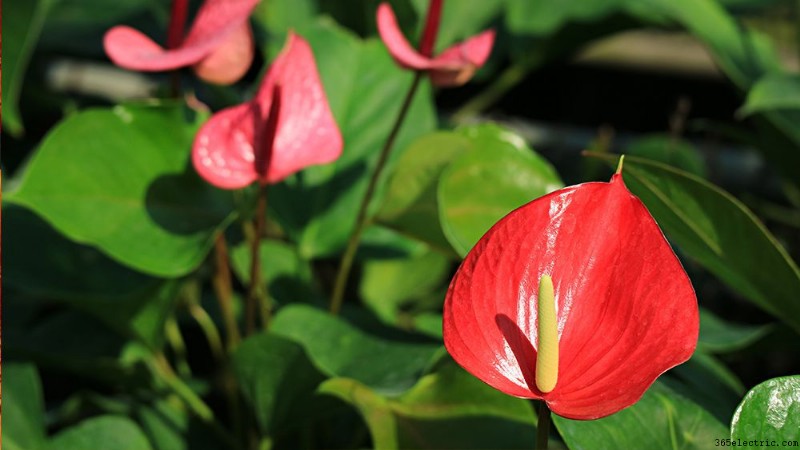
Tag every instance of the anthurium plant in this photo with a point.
(303, 224)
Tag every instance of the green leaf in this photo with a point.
(66, 270)
(119, 433)
(668, 150)
(771, 92)
(545, 17)
(95, 353)
(661, 419)
(719, 336)
(286, 274)
(481, 186)
(446, 409)
(364, 88)
(277, 379)
(23, 408)
(719, 232)
(769, 412)
(387, 284)
(708, 382)
(119, 179)
(339, 349)
(410, 204)
(280, 16)
(22, 27)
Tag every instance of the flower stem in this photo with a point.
(257, 298)
(162, 369)
(543, 425)
(224, 291)
(209, 330)
(361, 220)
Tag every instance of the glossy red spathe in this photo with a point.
(286, 127)
(219, 45)
(626, 311)
(453, 67)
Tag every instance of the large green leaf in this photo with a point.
(365, 89)
(446, 409)
(22, 25)
(770, 412)
(86, 347)
(119, 179)
(718, 231)
(277, 379)
(23, 408)
(545, 17)
(662, 419)
(66, 270)
(389, 283)
(668, 150)
(500, 174)
(720, 336)
(119, 433)
(340, 349)
(430, 418)
(410, 204)
(707, 381)
(771, 92)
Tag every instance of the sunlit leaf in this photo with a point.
(117, 179)
(769, 412)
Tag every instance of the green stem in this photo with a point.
(512, 76)
(162, 369)
(257, 298)
(362, 217)
(175, 339)
(542, 425)
(209, 329)
(224, 292)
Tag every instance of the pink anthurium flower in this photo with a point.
(286, 127)
(219, 46)
(576, 299)
(453, 67)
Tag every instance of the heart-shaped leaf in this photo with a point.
(118, 179)
(340, 349)
(481, 186)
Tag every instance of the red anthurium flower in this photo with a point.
(453, 67)
(576, 299)
(285, 128)
(219, 45)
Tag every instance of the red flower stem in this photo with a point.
(361, 220)
(432, 20)
(224, 291)
(177, 24)
(543, 425)
(257, 297)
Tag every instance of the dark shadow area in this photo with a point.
(296, 204)
(184, 204)
(521, 346)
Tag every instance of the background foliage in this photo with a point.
(112, 330)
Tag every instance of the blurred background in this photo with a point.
(709, 87)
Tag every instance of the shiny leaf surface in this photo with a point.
(769, 412)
